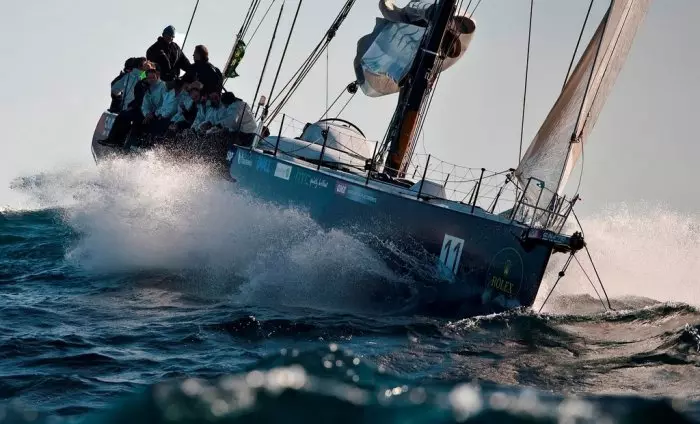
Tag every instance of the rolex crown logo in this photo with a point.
(506, 269)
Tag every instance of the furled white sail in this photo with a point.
(557, 146)
(385, 56)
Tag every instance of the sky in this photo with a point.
(60, 57)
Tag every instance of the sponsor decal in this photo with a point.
(283, 171)
(263, 164)
(360, 195)
(309, 180)
(244, 158)
(229, 155)
(504, 278)
(340, 188)
(355, 193)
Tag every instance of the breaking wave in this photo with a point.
(147, 214)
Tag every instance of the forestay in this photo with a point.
(558, 145)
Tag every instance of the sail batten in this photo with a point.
(555, 150)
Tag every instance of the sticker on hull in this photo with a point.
(504, 279)
(244, 158)
(283, 171)
(450, 256)
(355, 193)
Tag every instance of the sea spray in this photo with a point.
(639, 250)
(146, 214)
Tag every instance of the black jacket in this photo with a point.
(209, 75)
(169, 58)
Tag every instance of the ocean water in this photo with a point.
(145, 292)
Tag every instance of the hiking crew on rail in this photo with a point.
(153, 102)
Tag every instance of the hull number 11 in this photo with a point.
(451, 253)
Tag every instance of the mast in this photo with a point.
(413, 93)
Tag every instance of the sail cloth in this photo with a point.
(385, 57)
(558, 144)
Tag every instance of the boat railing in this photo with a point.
(435, 180)
(496, 192)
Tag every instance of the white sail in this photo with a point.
(558, 144)
(384, 57)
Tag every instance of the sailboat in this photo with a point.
(481, 251)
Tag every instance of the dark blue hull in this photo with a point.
(469, 264)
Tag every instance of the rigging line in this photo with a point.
(269, 50)
(468, 4)
(346, 104)
(588, 252)
(600, 281)
(474, 11)
(574, 135)
(561, 275)
(611, 48)
(334, 102)
(327, 65)
(248, 18)
(590, 281)
(527, 71)
(284, 54)
(250, 40)
(580, 175)
(194, 12)
(301, 73)
(578, 43)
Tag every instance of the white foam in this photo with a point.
(147, 214)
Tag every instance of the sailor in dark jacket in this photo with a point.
(201, 70)
(168, 55)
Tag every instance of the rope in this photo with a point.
(252, 9)
(588, 252)
(296, 80)
(474, 11)
(189, 26)
(600, 281)
(578, 43)
(259, 23)
(561, 275)
(284, 55)
(327, 65)
(269, 50)
(346, 104)
(328, 108)
(527, 71)
(590, 281)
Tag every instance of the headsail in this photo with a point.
(385, 57)
(557, 146)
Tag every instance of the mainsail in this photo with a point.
(385, 56)
(558, 144)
